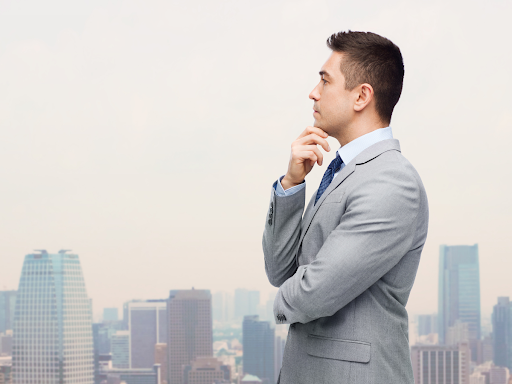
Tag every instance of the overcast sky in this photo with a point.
(146, 135)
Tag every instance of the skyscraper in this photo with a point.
(459, 290)
(147, 323)
(246, 303)
(502, 332)
(258, 342)
(7, 303)
(189, 332)
(52, 333)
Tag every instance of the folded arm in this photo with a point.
(375, 232)
(282, 231)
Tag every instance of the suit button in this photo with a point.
(269, 221)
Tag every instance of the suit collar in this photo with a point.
(366, 155)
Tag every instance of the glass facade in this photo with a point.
(459, 289)
(7, 304)
(52, 333)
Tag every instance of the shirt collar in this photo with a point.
(356, 146)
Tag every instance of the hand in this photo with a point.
(304, 155)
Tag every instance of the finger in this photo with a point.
(313, 138)
(314, 155)
(306, 149)
(320, 132)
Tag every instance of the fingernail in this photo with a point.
(328, 147)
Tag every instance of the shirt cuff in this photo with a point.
(290, 191)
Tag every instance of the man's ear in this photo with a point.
(364, 96)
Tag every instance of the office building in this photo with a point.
(147, 323)
(436, 364)
(161, 358)
(7, 304)
(120, 347)
(205, 370)
(6, 343)
(110, 314)
(52, 332)
(258, 343)
(5, 374)
(133, 375)
(190, 333)
(222, 307)
(246, 303)
(427, 324)
(502, 332)
(459, 291)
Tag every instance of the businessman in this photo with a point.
(345, 269)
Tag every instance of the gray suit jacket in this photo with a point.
(345, 271)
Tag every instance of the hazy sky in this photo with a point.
(146, 135)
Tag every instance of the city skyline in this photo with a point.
(114, 119)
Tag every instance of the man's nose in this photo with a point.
(314, 95)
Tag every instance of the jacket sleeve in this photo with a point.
(281, 234)
(375, 232)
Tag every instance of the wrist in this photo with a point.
(287, 183)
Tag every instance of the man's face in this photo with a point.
(333, 104)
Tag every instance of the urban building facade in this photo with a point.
(52, 332)
(7, 304)
(258, 343)
(147, 324)
(502, 332)
(459, 291)
(189, 331)
(441, 364)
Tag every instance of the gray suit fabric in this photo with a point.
(345, 271)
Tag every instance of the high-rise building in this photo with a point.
(7, 304)
(258, 342)
(120, 347)
(222, 307)
(189, 332)
(110, 314)
(147, 323)
(280, 342)
(6, 343)
(502, 332)
(246, 303)
(434, 364)
(52, 333)
(459, 291)
(161, 358)
(206, 370)
(427, 324)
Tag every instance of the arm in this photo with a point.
(282, 231)
(375, 232)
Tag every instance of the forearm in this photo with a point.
(281, 235)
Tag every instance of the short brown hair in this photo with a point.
(372, 59)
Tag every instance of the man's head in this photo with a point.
(362, 78)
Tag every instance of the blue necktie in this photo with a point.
(329, 175)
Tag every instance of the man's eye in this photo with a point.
(325, 81)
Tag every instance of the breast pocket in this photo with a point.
(339, 349)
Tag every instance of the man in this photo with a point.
(345, 269)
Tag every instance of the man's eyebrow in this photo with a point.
(324, 73)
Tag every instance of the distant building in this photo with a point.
(280, 342)
(147, 323)
(190, 330)
(502, 332)
(222, 307)
(246, 303)
(427, 324)
(441, 364)
(251, 379)
(457, 333)
(133, 375)
(258, 343)
(206, 370)
(161, 358)
(52, 322)
(110, 314)
(120, 347)
(459, 292)
(7, 304)
(6, 343)
(5, 374)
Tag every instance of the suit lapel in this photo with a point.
(366, 155)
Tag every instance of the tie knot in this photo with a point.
(336, 162)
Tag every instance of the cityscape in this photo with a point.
(193, 336)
